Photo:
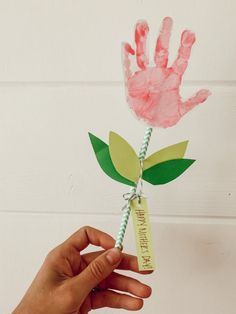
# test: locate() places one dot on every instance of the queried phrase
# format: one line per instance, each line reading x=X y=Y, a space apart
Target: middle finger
x=127 y=284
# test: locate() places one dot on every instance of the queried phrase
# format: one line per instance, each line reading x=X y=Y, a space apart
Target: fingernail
x=113 y=256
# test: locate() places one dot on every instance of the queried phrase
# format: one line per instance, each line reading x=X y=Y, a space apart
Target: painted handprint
x=153 y=92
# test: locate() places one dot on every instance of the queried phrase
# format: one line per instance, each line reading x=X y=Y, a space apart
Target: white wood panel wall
x=60 y=77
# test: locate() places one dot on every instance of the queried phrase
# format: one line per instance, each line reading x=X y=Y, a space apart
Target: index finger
x=88 y=235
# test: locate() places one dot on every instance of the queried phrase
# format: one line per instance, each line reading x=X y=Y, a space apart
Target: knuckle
x=67 y=294
x=85 y=228
x=70 y=298
x=51 y=255
x=97 y=268
x=103 y=285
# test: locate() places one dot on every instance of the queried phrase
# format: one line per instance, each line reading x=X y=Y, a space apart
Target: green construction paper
x=170 y=152
x=124 y=157
x=102 y=153
x=166 y=171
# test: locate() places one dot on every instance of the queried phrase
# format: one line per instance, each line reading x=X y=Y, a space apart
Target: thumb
x=97 y=270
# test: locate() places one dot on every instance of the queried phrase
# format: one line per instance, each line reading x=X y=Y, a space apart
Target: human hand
x=71 y=283
x=153 y=92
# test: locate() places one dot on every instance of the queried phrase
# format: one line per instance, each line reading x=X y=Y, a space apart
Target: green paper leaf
x=102 y=153
x=166 y=171
x=175 y=151
x=124 y=157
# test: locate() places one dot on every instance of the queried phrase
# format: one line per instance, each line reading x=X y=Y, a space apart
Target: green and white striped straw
x=127 y=209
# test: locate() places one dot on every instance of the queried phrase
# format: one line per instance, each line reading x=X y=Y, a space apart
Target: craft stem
x=127 y=209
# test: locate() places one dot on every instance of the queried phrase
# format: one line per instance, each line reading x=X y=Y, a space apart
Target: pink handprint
x=153 y=92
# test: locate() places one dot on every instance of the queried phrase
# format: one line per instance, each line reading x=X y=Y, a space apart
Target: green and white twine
x=132 y=193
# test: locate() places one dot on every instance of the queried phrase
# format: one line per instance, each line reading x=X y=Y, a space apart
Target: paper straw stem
x=127 y=209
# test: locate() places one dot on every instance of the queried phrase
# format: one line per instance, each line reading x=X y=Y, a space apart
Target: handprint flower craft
x=153 y=92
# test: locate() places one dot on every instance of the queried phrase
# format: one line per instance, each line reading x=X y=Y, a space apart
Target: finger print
x=141 y=33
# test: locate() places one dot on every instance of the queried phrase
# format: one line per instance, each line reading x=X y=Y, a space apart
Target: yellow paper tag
x=143 y=236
